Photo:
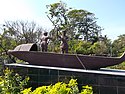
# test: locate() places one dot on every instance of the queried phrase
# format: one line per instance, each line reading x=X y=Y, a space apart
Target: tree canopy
x=76 y=22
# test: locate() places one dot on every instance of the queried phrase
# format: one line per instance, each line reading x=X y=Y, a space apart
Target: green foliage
x=76 y=22
x=57 y=13
x=119 y=66
x=87 y=90
x=87 y=48
x=54 y=46
x=84 y=22
x=60 y=88
x=6 y=43
x=118 y=46
x=73 y=86
x=26 y=91
x=83 y=47
x=79 y=46
x=99 y=48
x=12 y=83
x=72 y=45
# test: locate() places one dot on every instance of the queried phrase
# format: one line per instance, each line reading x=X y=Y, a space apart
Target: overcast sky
x=110 y=13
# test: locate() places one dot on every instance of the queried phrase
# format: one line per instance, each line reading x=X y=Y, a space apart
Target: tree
x=6 y=43
x=76 y=22
x=22 y=31
x=80 y=25
x=99 y=48
x=84 y=23
x=118 y=46
x=57 y=13
x=18 y=32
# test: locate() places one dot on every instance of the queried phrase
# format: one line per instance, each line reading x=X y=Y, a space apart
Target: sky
x=110 y=13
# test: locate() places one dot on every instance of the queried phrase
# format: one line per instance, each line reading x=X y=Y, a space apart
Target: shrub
x=60 y=88
x=11 y=83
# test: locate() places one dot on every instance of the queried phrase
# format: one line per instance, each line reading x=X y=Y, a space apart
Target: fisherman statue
x=44 y=41
x=64 y=42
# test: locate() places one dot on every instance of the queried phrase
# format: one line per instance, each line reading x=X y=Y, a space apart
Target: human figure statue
x=44 y=41
x=64 y=43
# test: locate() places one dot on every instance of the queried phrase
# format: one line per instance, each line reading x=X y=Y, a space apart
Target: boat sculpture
x=30 y=54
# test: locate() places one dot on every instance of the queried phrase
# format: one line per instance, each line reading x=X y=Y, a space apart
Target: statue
x=64 y=43
x=44 y=41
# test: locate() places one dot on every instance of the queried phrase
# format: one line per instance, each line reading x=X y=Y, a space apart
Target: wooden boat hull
x=30 y=54
x=66 y=60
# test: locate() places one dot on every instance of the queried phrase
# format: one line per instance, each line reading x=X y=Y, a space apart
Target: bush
x=11 y=83
x=60 y=88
